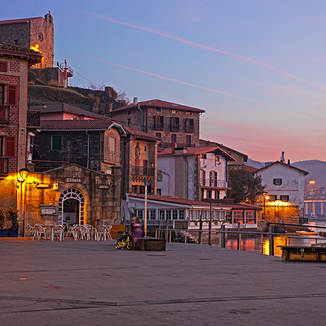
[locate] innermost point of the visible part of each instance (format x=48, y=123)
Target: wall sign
x=48, y=210
x=43, y=186
x=103, y=187
x=75, y=180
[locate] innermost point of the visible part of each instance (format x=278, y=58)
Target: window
x=151, y=214
x=56, y=143
x=250, y=217
x=203, y=177
x=112, y=146
x=161, y=213
x=217, y=194
x=1, y=145
x=272, y=197
x=238, y=217
x=159, y=176
x=174, y=124
x=284, y=198
x=181, y=214
x=10, y=146
x=209, y=194
x=203, y=156
x=173, y=138
x=175, y=214
x=128, y=122
x=174, y=111
x=168, y=215
x=277, y=182
x=158, y=109
x=129, y=112
x=188, y=112
x=12, y=95
x=159, y=192
x=145, y=148
x=2, y=94
x=3, y=66
x=189, y=125
x=158, y=122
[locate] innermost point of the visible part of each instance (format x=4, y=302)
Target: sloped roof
x=140, y=134
x=284, y=164
x=197, y=151
x=17, y=21
x=76, y=124
x=250, y=169
x=160, y=104
x=64, y=107
x=16, y=51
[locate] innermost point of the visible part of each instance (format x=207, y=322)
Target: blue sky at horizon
x=254, y=66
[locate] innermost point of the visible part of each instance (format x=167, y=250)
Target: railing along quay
x=223, y=239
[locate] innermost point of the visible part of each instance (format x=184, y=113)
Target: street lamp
x=23, y=174
x=312, y=197
x=265, y=197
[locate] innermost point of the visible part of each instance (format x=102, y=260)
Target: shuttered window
x=10, y=146
x=12, y=95
x=3, y=66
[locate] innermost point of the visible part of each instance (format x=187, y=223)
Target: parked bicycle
x=125, y=241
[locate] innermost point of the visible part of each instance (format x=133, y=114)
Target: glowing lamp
x=23, y=174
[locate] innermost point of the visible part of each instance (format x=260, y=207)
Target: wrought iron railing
x=4, y=113
x=214, y=183
x=142, y=170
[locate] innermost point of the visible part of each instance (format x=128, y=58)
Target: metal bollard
x=271, y=240
x=239, y=241
x=223, y=236
x=170, y=236
x=262, y=242
x=156, y=233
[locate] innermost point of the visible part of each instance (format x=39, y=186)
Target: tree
x=244, y=186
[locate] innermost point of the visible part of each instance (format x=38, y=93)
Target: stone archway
x=71, y=195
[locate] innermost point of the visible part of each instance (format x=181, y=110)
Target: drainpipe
x=87, y=165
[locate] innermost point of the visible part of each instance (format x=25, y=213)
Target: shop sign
x=103, y=186
x=43, y=186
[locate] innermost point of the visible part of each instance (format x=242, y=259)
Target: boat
x=306, y=233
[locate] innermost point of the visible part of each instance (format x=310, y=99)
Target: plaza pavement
x=91, y=283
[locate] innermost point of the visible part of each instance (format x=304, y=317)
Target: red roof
x=140, y=134
x=284, y=164
x=250, y=169
x=197, y=151
x=75, y=124
x=160, y=104
x=16, y=51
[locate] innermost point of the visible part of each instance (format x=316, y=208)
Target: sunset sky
x=256, y=67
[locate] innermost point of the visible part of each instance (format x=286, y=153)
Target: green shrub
x=2, y=217
x=14, y=218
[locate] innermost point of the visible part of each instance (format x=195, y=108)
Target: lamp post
x=23, y=174
x=265, y=197
x=312, y=197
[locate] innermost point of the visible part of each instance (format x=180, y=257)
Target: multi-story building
x=31, y=33
x=14, y=63
x=195, y=173
x=170, y=122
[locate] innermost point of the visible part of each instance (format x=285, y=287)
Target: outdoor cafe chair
x=86, y=231
x=48, y=231
x=39, y=231
x=31, y=231
x=108, y=233
x=57, y=230
x=100, y=231
x=72, y=230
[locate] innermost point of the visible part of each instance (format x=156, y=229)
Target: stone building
x=94, y=144
x=14, y=63
x=171, y=122
x=31, y=33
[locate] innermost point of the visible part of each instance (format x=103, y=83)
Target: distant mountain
x=316, y=169
x=255, y=164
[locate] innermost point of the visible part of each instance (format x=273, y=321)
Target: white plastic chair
x=86, y=231
x=108, y=232
x=39, y=230
x=100, y=231
x=58, y=230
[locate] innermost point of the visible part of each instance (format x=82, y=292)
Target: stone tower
x=31, y=33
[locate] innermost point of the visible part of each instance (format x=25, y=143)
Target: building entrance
x=71, y=207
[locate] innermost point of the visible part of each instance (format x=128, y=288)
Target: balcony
x=189, y=128
x=3, y=165
x=214, y=183
x=33, y=118
x=4, y=114
x=142, y=171
x=175, y=127
x=168, y=145
x=158, y=125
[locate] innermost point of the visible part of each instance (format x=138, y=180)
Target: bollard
x=156, y=233
x=185, y=237
x=262, y=242
x=239, y=237
x=170, y=236
x=223, y=236
x=271, y=240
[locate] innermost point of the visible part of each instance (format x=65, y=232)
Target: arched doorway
x=71, y=207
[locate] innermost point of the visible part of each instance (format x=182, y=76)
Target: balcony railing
x=214, y=183
x=190, y=128
x=33, y=118
x=158, y=126
x=175, y=127
x=142, y=170
x=5, y=113
x=3, y=165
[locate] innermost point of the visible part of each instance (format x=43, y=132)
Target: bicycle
x=125, y=242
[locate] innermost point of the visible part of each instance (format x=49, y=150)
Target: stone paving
x=91, y=283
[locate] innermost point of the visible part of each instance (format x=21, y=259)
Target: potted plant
x=3, y=232
x=13, y=232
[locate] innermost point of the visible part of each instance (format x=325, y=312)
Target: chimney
x=135, y=101
x=282, y=158
x=289, y=162
x=173, y=148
